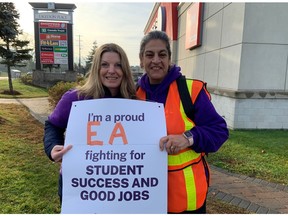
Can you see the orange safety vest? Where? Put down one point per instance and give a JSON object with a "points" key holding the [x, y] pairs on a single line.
{"points": [[187, 179]]}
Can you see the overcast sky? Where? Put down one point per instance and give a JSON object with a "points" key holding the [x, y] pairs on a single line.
{"points": [[119, 22]]}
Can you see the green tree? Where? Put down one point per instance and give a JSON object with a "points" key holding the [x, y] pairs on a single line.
{"points": [[13, 51], [80, 70], [90, 56]]}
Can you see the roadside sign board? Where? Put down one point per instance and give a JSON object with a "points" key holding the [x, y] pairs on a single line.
{"points": [[53, 38]]}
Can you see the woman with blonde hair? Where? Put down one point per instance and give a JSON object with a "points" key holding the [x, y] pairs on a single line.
{"points": [[95, 86], [109, 77]]}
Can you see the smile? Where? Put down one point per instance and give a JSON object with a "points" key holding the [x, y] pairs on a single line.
{"points": [[155, 68], [111, 78]]}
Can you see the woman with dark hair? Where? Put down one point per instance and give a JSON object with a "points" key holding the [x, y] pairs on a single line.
{"points": [[187, 140]]}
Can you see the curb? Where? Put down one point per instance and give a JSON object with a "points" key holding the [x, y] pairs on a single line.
{"points": [[242, 203], [214, 191], [254, 180]]}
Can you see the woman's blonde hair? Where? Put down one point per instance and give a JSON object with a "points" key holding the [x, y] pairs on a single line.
{"points": [[93, 87]]}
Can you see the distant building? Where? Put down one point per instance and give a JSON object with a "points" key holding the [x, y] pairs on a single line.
{"points": [[15, 73], [137, 72], [239, 49]]}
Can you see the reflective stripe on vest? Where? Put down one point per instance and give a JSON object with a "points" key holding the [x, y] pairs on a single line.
{"points": [[188, 123], [187, 183]]}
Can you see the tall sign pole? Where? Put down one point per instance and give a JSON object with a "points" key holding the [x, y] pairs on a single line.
{"points": [[53, 30]]}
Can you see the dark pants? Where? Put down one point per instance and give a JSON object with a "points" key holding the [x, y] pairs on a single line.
{"points": [[201, 210], [60, 182]]}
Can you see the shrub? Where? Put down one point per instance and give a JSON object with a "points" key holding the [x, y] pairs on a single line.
{"points": [[27, 79], [56, 91], [80, 79]]}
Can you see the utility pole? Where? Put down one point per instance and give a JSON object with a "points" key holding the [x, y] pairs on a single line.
{"points": [[79, 49], [79, 52]]}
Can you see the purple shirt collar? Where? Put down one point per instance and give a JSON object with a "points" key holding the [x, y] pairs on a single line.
{"points": [[159, 92]]}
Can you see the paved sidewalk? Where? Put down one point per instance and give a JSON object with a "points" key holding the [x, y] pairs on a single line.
{"points": [[255, 195], [39, 107]]}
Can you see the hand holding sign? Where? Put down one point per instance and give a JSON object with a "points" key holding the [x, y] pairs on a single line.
{"points": [[58, 151]]}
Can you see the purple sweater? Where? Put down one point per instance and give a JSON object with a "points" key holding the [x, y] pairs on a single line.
{"points": [[211, 129], [59, 116], [56, 124]]}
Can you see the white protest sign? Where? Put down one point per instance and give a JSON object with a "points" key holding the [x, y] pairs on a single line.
{"points": [[115, 165]]}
